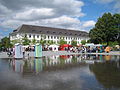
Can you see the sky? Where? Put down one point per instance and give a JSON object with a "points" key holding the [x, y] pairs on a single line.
{"points": [[68, 14]]}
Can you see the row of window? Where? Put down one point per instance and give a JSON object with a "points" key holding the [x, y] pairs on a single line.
{"points": [[53, 37], [65, 33]]}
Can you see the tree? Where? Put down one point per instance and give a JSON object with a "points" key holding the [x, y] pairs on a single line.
{"points": [[42, 41], [34, 41], [106, 29], [74, 43], [5, 42], [15, 41], [25, 40], [83, 42], [62, 41]]}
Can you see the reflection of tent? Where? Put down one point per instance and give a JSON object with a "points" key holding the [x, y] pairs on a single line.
{"points": [[64, 56], [53, 47], [89, 44], [62, 47], [98, 45]]}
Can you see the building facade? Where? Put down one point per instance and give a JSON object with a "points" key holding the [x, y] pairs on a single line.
{"points": [[47, 33]]}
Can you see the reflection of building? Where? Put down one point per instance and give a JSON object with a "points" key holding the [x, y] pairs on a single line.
{"points": [[48, 33]]}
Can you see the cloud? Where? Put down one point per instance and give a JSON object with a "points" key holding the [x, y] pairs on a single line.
{"points": [[56, 13], [34, 14], [87, 24]]}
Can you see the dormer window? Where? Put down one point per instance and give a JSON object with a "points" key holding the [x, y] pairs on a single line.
{"points": [[47, 31], [60, 32], [70, 33], [33, 30]]}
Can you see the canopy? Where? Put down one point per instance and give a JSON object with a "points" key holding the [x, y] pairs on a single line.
{"points": [[66, 45], [53, 46]]}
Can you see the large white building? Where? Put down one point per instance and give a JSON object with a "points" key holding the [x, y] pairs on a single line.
{"points": [[48, 33]]}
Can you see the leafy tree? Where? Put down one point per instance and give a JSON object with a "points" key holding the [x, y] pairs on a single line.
{"points": [[74, 43], [5, 42], [62, 41], [43, 42], [34, 41], [25, 40], [106, 29], [15, 41], [83, 42]]}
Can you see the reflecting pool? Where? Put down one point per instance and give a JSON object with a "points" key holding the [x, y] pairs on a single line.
{"points": [[64, 72]]}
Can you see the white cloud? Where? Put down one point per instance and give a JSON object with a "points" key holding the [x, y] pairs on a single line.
{"points": [[56, 13], [90, 23], [34, 14]]}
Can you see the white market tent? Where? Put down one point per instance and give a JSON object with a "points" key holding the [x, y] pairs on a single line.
{"points": [[89, 44], [54, 47]]}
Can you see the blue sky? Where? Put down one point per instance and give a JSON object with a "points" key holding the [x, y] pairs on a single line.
{"points": [[70, 14]]}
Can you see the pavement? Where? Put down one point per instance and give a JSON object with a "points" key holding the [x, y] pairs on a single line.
{"points": [[52, 53]]}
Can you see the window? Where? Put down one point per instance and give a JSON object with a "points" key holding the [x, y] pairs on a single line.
{"points": [[47, 31], [51, 37], [60, 32], [37, 36], [33, 36], [70, 33], [30, 36], [48, 37], [54, 37]]}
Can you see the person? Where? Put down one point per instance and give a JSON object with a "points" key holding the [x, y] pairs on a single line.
{"points": [[23, 50]]}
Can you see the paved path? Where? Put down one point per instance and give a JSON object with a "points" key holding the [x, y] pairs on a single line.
{"points": [[51, 53]]}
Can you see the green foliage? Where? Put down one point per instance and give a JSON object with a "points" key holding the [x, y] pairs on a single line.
{"points": [[15, 41], [62, 41], [5, 43], [74, 43], [106, 29], [25, 40], [50, 42], [43, 42], [83, 42], [34, 41]]}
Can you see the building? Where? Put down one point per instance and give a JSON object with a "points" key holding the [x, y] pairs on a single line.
{"points": [[48, 33]]}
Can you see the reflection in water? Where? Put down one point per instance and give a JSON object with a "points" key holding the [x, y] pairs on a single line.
{"points": [[57, 62], [107, 73], [65, 72]]}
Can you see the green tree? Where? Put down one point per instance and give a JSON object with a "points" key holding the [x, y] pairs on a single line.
{"points": [[34, 41], [25, 40], [43, 42], [83, 42], [5, 42], [74, 43], [15, 41], [106, 29], [62, 41]]}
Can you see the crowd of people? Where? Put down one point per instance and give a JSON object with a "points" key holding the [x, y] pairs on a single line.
{"points": [[81, 49]]}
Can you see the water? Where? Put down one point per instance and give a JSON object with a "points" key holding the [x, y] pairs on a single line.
{"points": [[70, 72]]}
